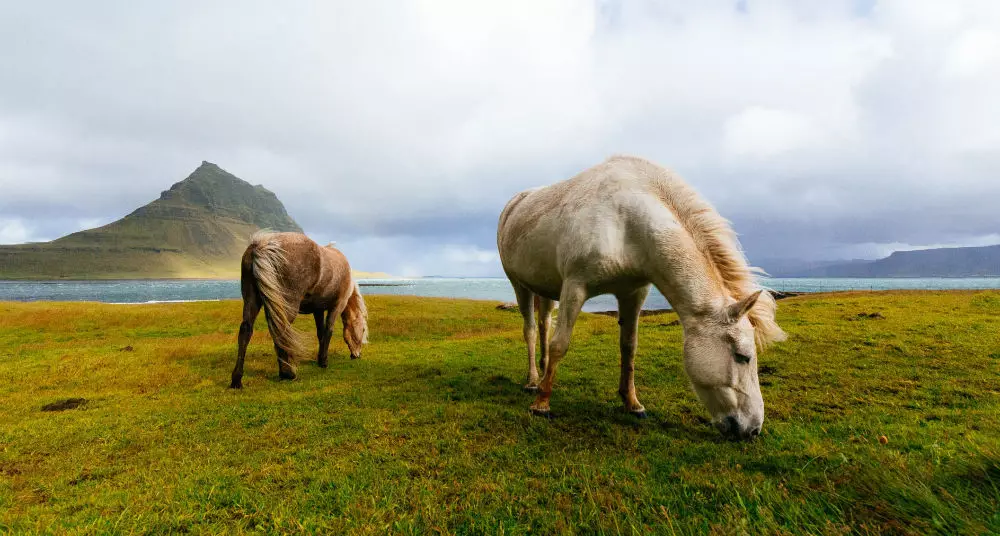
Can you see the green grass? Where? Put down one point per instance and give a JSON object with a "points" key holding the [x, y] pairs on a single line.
{"points": [[430, 431]]}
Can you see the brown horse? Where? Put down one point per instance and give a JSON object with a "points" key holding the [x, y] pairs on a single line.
{"points": [[287, 274]]}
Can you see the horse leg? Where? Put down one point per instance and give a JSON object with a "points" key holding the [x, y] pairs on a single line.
{"points": [[251, 308], [571, 300], [629, 307], [286, 371], [525, 302], [323, 333], [544, 309]]}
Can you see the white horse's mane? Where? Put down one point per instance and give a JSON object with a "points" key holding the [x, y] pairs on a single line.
{"points": [[714, 237]]}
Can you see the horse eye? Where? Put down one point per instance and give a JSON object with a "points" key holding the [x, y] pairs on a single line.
{"points": [[740, 358]]}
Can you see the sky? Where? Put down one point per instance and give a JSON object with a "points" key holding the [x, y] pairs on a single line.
{"points": [[823, 129]]}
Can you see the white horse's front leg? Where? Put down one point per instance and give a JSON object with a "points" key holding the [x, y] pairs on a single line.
{"points": [[525, 302], [571, 300]]}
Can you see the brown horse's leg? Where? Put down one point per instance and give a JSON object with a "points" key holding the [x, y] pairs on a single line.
{"points": [[570, 302], [629, 307], [544, 308], [251, 308], [323, 333], [286, 368], [286, 371], [525, 302]]}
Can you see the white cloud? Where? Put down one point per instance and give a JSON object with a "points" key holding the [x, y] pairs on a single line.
{"points": [[469, 254], [14, 231], [413, 122], [763, 132], [973, 52]]}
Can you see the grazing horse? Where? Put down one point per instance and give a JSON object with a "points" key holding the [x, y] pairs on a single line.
{"points": [[615, 229], [287, 274]]}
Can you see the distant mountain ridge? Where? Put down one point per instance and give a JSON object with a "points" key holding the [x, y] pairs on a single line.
{"points": [[981, 261], [198, 228]]}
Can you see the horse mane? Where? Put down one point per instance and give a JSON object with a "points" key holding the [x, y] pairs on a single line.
{"points": [[714, 237]]}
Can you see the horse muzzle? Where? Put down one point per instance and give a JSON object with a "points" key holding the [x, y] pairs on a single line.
{"points": [[731, 428]]}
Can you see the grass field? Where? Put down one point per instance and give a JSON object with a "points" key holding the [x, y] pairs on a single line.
{"points": [[430, 431]]}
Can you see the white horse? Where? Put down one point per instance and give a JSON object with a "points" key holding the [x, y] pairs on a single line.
{"points": [[614, 229]]}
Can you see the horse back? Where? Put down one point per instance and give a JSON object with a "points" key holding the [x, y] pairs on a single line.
{"points": [[297, 272], [599, 222]]}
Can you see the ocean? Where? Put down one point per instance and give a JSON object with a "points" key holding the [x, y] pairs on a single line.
{"points": [[493, 289]]}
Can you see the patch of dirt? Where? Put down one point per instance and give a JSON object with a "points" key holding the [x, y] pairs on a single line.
{"points": [[767, 369], [869, 316], [676, 322], [8, 469], [63, 405], [127, 349], [507, 307]]}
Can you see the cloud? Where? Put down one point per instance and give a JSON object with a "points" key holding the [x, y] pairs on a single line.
{"points": [[764, 133], [14, 232], [401, 128]]}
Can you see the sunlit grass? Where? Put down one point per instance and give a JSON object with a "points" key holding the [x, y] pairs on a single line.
{"points": [[430, 431]]}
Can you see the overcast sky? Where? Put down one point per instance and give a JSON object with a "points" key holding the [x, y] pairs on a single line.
{"points": [[823, 129]]}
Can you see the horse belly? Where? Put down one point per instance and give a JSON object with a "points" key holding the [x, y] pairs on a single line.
{"points": [[532, 264], [317, 301]]}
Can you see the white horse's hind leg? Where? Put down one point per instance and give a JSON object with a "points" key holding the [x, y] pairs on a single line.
{"points": [[544, 306], [525, 302], [629, 308], [570, 302]]}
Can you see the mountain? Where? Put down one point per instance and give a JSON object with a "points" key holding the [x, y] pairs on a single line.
{"points": [[785, 267], [942, 262], [198, 228]]}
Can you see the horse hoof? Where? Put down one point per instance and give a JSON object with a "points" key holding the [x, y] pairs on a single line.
{"points": [[641, 414], [321, 365], [355, 357], [531, 388], [541, 413], [286, 376], [236, 385]]}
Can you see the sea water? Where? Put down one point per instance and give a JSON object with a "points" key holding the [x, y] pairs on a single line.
{"points": [[492, 289]]}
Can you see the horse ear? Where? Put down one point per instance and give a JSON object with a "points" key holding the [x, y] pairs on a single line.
{"points": [[736, 311]]}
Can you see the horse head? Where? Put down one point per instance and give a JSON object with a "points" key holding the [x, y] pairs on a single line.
{"points": [[720, 358]]}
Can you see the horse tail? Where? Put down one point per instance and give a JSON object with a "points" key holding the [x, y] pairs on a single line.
{"points": [[355, 317], [268, 260]]}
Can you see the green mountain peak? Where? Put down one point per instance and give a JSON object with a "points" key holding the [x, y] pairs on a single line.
{"points": [[197, 228]]}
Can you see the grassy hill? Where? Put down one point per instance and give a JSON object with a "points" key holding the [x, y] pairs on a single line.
{"points": [[197, 228], [876, 424]]}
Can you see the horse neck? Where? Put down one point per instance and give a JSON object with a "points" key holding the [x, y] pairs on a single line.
{"points": [[689, 282]]}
